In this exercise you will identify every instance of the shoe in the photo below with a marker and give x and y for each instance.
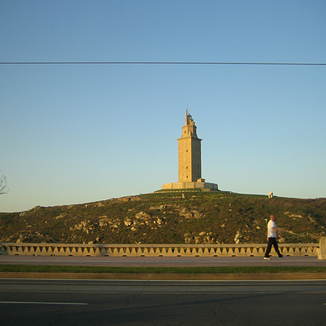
(267, 258)
(280, 256)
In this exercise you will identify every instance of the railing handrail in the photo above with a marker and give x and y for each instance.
(123, 245)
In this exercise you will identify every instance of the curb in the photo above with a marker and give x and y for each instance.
(167, 276)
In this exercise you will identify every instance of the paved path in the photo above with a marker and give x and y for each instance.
(162, 261)
(159, 303)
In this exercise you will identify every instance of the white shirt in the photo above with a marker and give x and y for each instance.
(271, 229)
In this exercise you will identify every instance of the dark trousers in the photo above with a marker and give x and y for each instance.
(272, 242)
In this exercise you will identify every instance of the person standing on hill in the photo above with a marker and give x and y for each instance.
(272, 234)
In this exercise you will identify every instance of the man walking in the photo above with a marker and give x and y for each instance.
(272, 233)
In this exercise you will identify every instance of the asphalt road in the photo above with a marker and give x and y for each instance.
(162, 261)
(96, 303)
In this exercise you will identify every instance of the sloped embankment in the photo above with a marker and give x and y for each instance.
(220, 217)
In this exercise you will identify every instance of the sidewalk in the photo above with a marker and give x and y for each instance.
(161, 261)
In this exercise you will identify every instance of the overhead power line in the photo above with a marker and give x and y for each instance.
(160, 63)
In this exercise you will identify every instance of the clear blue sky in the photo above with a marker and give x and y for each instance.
(72, 134)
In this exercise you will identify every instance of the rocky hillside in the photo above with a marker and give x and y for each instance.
(191, 217)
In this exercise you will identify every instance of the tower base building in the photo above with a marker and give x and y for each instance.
(189, 152)
(198, 185)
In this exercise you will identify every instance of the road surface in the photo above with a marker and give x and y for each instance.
(162, 303)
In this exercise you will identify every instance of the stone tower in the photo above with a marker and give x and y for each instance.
(189, 150)
(189, 165)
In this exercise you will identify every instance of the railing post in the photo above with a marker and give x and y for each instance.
(3, 250)
(322, 248)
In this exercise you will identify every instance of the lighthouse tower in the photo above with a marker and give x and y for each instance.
(189, 167)
(189, 151)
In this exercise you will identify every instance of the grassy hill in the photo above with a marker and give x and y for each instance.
(190, 217)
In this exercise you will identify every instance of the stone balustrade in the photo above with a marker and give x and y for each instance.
(154, 250)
